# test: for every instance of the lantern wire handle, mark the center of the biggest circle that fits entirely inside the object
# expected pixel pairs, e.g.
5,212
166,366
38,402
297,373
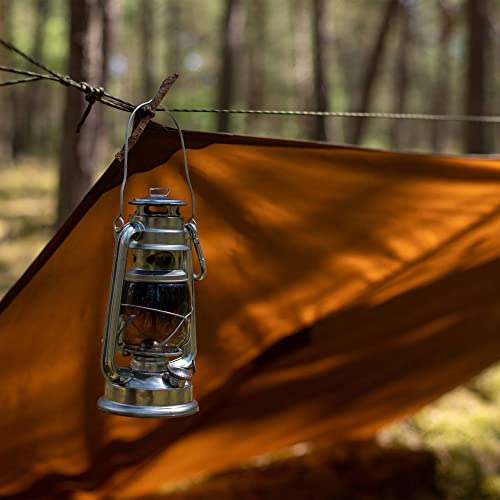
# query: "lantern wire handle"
119,223
184,157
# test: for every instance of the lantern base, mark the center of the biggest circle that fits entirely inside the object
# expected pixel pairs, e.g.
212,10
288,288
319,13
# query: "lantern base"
147,395
125,410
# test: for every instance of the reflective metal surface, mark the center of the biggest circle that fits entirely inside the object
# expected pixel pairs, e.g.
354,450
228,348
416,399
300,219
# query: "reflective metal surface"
108,365
148,394
151,315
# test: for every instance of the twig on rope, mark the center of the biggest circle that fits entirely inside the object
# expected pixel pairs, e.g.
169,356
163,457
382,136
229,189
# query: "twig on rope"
150,109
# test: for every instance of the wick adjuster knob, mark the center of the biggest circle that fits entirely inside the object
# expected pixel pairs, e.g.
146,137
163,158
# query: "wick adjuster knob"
177,376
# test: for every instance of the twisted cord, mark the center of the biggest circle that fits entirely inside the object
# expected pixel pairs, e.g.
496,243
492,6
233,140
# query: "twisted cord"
98,94
20,80
349,114
18,71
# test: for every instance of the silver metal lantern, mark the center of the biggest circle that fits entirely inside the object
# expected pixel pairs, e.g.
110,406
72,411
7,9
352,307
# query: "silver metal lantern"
151,310
151,313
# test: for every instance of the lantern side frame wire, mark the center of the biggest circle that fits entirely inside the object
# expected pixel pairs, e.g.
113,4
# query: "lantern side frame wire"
112,326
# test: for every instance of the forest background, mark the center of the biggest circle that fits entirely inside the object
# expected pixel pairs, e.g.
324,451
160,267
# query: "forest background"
401,56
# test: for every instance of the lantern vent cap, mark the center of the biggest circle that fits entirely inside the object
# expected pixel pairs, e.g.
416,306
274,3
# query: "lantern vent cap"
158,197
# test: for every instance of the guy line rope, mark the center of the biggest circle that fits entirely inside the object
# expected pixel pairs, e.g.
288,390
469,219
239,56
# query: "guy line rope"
98,94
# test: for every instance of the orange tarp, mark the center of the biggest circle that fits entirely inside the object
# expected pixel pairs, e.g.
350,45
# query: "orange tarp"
345,288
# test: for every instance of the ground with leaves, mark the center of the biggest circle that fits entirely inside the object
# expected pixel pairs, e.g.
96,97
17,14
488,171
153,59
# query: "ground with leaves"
449,449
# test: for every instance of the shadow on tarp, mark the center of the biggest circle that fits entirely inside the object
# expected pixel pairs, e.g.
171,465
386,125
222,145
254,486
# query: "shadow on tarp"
357,470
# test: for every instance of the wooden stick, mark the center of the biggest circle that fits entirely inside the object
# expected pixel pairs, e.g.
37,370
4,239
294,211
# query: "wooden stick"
136,134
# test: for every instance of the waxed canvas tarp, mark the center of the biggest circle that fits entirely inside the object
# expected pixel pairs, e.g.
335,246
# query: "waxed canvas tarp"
345,288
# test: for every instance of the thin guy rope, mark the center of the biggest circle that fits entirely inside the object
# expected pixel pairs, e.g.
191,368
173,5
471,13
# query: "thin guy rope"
123,105
349,114
20,80
66,80
17,71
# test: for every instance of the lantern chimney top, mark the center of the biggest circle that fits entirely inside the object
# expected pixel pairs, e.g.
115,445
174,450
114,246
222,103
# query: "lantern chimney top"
158,197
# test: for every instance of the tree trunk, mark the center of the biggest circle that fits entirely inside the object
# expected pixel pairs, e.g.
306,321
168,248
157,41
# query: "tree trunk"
257,42
234,19
442,89
29,133
5,93
78,151
477,138
147,59
320,42
173,37
109,12
301,61
401,75
17,96
374,61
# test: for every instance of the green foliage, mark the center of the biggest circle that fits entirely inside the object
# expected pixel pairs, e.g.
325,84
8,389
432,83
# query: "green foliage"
22,23
463,430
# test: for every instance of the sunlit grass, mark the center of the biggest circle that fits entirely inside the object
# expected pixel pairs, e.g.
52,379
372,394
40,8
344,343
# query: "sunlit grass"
463,430
27,214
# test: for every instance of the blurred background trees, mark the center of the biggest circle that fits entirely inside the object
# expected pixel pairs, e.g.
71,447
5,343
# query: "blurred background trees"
89,43
357,55
409,56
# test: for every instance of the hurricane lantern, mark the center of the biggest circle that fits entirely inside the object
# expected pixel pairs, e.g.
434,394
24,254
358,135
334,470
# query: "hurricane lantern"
151,312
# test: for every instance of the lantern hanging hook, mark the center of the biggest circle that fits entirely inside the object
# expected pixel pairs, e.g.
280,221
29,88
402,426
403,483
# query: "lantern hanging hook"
119,222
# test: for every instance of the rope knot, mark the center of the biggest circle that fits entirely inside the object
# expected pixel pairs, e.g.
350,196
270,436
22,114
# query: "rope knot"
92,94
